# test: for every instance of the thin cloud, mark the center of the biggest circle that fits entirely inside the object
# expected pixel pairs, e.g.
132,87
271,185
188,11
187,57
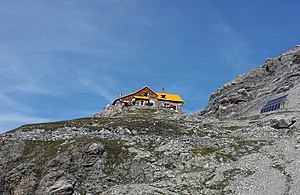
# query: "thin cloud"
11,120
234,50
8,103
19,118
103,90
96,82
32,89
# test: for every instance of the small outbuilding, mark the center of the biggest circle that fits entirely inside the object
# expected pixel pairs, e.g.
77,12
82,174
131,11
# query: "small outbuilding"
274,104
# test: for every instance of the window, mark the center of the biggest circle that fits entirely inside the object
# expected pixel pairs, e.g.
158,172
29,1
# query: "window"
272,107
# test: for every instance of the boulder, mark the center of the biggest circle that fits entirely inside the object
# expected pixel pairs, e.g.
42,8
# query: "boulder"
280,124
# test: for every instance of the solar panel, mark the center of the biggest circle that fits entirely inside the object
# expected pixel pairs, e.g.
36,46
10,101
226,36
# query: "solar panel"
273,104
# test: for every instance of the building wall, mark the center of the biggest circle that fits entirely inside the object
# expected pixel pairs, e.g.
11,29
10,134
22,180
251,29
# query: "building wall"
170,104
142,92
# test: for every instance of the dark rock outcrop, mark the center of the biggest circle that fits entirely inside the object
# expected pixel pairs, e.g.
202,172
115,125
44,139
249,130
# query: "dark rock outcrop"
282,123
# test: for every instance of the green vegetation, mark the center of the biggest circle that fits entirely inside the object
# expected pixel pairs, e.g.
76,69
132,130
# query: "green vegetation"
228,175
225,157
59,124
232,128
204,151
244,147
248,173
142,121
40,151
117,154
146,125
231,172
278,167
219,185
238,148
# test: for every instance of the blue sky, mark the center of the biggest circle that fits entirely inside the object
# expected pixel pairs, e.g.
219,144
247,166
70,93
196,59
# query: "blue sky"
67,59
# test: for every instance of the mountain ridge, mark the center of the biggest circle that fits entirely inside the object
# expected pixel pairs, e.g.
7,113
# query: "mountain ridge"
228,148
247,93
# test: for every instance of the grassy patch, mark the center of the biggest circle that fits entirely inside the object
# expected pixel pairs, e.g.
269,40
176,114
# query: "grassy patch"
248,173
228,176
278,167
146,125
117,154
232,128
204,151
81,122
41,151
245,147
220,185
231,173
142,120
116,150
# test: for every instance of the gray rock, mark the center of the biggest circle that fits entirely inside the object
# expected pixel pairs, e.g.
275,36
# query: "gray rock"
279,124
248,93
282,123
230,149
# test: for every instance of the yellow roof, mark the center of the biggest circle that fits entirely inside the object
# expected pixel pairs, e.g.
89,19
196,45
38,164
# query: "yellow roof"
169,97
141,97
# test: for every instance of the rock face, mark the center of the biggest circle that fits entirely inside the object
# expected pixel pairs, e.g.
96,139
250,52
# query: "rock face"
247,94
151,151
145,151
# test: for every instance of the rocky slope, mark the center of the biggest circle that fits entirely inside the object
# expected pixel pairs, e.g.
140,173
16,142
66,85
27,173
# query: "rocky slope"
148,151
247,94
153,152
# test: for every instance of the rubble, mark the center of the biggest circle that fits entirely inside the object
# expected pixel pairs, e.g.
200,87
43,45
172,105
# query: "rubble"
171,153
